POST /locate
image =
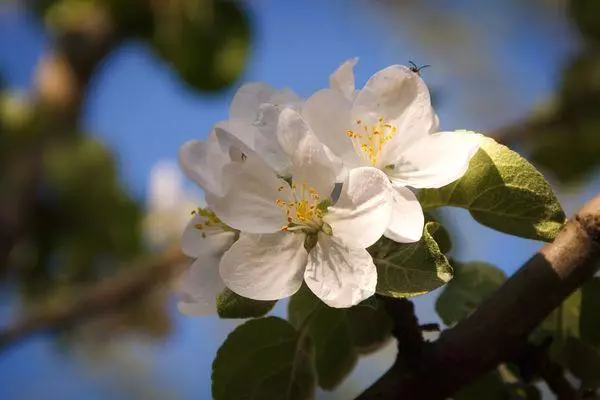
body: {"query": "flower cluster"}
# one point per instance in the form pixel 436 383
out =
pixel 297 190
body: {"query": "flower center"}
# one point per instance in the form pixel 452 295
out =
pixel 211 224
pixel 303 208
pixel 369 142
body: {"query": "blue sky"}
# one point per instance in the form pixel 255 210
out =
pixel 138 106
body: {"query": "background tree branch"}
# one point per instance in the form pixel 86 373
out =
pixel 103 297
pixel 499 328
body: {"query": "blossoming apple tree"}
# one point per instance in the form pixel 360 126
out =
pixel 329 201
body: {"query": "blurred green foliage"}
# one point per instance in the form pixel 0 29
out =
pixel 565 139
pixel 206 41
pixel 83 225
pixel 499 384
pixel 472 283
pixel 586 16
pixel 78 223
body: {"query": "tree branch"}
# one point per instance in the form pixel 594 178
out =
pixel 406 330
pixel 497 330
pixel 103 297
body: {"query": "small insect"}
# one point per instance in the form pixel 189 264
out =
pixel 244 157
pixel 417 70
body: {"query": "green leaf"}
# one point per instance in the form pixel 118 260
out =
pixel 503 191
pixel 440 235
pixel 564 320
pixel 586 16
pixel 370 325
pixel 583 361
pixel 561 324
pixel 264 358
pixel 589 321
pixel 565 325
pixel 498 384
pixel 473 282
pixel 330 333
pixel 232 305
pixel 410 269
pixel 487 387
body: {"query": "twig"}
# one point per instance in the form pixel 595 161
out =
pixel 495 332
pixel 430 327
pixel 406 330
pixel 103 297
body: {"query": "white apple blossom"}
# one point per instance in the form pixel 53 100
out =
pixel 203 161
pixel 253 116
pixel 390 124
pixel 254 113
pixel 168 205
pixel 291 232
pixel 206 239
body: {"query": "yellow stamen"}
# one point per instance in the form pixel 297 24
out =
pixel 210 222
pixel 372 141
pixel 302 209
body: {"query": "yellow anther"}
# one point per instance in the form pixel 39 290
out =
pixel 301 210
pixel 374 138
pixel 210 224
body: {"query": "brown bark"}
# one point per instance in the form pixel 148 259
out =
pixel 497 330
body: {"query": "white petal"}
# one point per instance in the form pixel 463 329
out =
pixel 328 115
pixel 402 99
pixel 363 211
pixel 249 97
pixel 277 156
pixel 406 224
pixel 313 166
pixel 435 160
pixel 249 204
pixel 236 133
pixel 200 286
pixel 202 162
pixel 339 275
pixel 342 79
pixel 291 129
pixel 261 139
pixel 196 242
pixel 269 112
pixel 265 267
pixel 392 92
pixel 284 97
